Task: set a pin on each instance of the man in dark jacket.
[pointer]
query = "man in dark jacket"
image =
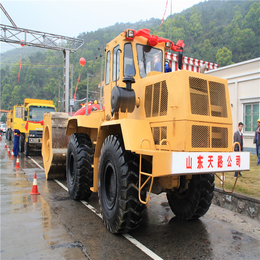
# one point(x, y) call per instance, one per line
point(238, 137)
point(257, 141)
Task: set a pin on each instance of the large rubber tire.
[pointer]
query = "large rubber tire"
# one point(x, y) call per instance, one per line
point(26, 148)
point(79, 166)
point(195, 202)
point(21, 143)
point(118, 187)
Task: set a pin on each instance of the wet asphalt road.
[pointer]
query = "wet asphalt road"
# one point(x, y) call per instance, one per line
point(52, 226)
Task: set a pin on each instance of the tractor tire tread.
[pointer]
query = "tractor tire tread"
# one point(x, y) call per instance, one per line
point(130, 208)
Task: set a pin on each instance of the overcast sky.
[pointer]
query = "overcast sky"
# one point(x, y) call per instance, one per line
point(70, 18)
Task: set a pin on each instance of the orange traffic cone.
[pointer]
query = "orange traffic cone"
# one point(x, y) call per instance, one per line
point(12, 154)
point(17, 162)
point(5, 145)
point(8, 150)
point(34, 187)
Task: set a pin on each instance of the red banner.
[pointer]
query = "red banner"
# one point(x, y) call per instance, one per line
point(164, 13)
point(20, 67)
point(76, 87)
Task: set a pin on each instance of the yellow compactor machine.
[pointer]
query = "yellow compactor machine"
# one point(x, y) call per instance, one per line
point(160, 132)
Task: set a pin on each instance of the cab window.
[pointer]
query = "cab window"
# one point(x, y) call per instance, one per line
point(129, 67)
point(149, 59)
point(19, 112)
point(108, 68)
point(116, 63)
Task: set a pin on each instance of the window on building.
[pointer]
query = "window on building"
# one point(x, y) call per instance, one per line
point(251, 114)
point(108, 68)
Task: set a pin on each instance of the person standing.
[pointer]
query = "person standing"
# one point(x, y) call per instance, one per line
point(238, 137)
point(16, 142)
point(167, 67)
point(257, 141)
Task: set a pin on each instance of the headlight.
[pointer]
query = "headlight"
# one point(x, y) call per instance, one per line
point(129, 34)
point(168, 44)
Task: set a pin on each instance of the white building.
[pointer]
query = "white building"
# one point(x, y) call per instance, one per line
point(244, 91)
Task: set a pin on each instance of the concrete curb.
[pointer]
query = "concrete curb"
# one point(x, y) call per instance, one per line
point(243, 204)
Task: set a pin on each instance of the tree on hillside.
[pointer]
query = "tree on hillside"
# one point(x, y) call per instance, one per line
point(252, 19)
point(6, 97)
point(224, 57)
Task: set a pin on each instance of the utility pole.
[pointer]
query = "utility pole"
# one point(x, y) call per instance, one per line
point(171, 22)
point(87, 94)
point(59, 95)
point(71, 89)
point(66, 78)
point(101, 69)
point(101, 56)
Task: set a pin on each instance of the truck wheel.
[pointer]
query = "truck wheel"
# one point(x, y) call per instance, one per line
point(21, 143)
point(118, 187)
point(79, 166)
point(26, 149)
point(194, 202)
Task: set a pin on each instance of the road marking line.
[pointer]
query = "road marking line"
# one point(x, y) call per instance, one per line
point(61, 184)
point(35, 162)
point(126, 236)
point(142, 247)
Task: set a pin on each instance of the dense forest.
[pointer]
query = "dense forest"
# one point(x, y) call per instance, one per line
point(222, 32)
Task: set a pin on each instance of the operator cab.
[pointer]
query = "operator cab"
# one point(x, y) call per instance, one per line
point(130, 57)
point(136, 54)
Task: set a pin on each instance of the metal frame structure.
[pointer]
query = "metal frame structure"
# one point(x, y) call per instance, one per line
point(11, 34)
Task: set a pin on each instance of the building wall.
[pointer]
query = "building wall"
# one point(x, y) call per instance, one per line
point(244, 91)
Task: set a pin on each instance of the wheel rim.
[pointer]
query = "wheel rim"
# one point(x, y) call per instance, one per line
point(110, 185)
point(71, 169)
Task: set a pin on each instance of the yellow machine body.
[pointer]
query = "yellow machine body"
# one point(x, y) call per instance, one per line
point(178, 117)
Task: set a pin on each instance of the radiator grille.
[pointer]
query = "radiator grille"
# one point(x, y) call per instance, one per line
point(156, 99)
point(218, 99)
point(201, 137)
point(159, 133)
point(199, 96)
point(203, 92)
point(219, 137)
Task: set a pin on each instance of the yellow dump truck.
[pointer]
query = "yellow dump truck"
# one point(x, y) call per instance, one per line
point(9, 124)
point(31, 125)
point(160, 132)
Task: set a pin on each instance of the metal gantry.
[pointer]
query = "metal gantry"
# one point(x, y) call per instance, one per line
point(22, 36)
point(11, 34)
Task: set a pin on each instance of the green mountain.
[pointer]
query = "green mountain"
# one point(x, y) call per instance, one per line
point(222, 32)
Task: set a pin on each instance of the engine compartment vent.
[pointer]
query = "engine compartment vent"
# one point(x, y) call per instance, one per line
point(207, 98)
point(156, 99)
point(159, 133)
point(201, 137)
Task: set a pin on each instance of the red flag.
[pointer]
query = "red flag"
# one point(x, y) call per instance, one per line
point(76, 87)
point(20, 67)
point(164, 13)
